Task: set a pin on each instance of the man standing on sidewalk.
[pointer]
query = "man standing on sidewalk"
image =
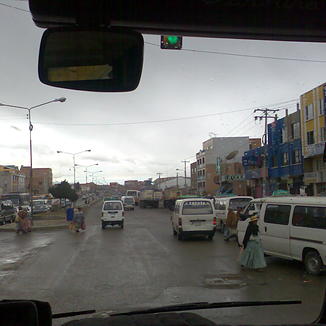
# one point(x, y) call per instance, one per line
point(70, 217)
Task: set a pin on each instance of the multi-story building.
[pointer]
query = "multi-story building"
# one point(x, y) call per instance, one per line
point(216, 152)
point(11, 180)
point(193, 177)
point(132, 184)
point(42, 179)
point(173, 182)
point(279, 164)
point(285, 161)
point(313, 109)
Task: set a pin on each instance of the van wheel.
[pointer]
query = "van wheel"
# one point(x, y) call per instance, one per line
point(210, 237)
point(180, 236)
point(174, 231)
point(121, 225)
point(103, 226)
point(312, 262)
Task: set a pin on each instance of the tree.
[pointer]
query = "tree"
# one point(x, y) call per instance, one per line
point(63, 190)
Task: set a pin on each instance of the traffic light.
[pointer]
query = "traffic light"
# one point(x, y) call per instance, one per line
point(171, 42)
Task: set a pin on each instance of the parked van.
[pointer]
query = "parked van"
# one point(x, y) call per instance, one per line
point(293, 228)
point(194, 216)
point(112, 213)
point(128, 202)
point(222, 204)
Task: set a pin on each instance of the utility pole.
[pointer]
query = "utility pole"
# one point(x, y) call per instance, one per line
point(159, 179)
point(266, 115)
point(185, 163)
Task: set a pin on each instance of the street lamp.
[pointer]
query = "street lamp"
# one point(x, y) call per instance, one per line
point(86, 167)
point(74, 161)
point(30, 127)
point(177, 177)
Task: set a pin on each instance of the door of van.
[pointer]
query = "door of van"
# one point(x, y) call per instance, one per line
point(197, 215)
point(274, 229)
point(175, 216)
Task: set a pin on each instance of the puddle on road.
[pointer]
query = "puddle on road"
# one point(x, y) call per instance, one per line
point(225, 281)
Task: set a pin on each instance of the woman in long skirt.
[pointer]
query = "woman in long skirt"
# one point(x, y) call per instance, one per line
point(253, 254)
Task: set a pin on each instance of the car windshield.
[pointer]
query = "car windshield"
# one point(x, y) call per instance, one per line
point(211, 123)
point(112, 206)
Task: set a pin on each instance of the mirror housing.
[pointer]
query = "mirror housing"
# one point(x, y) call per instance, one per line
point(100, 60)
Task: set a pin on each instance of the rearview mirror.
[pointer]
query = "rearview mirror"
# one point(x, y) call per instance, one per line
point(101, 60)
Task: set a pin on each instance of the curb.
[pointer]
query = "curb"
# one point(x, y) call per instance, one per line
point(40, 228)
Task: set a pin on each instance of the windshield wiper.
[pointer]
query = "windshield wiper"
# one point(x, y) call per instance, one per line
point(207, 305)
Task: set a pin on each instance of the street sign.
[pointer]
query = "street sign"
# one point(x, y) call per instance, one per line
point(236, 177)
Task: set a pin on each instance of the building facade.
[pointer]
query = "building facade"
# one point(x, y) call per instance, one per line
point(173, 182)
point(313, 108)
point(285, 161)
point(216, 152)
point(42, 179)
point(279, 164)
point(193, 176)
point(11, 179)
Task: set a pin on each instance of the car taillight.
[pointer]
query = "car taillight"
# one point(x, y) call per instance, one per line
point(214, 220)
point(180, 221)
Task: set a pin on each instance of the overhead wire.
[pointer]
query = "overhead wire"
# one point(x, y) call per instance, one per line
point(150, 121)
point(13, 7)
point(245, 55)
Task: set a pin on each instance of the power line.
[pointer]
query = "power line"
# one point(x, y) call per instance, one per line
point(153, 121)
point(13, 7)
point(246, 55)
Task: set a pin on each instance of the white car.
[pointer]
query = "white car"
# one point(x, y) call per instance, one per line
point(112, 213)
point(194, 216)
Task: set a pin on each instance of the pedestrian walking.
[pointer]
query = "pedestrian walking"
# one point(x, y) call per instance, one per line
point(70, 217)
point(253, 254)
point(79, 220)
point(23, 224)
point(229, 220)
point(232, 224)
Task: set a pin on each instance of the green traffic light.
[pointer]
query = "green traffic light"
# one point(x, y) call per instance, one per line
point(173, 39)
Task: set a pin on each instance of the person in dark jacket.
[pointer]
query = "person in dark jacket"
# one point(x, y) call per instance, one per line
point(253, 255)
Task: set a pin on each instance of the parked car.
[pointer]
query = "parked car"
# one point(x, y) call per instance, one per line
point(40, 206)
point(7, 212)
point(292, 228)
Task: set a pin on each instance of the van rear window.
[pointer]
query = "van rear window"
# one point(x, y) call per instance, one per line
point(309, 217)
point(197, 208)
point(114, 206)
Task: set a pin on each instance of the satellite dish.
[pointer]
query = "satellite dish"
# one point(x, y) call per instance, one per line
point(231, 155)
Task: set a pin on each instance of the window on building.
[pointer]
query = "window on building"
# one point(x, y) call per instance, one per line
point(285, 158)
point(296, 156)
point(203, 160)
point(310, 137)
point(295, 130)
point(277, 214)
point(203, 172)
point(309, 217)
point(309, 112)
point(321, 106)
point(284, 135)
point(274, 161)
point(322, 134)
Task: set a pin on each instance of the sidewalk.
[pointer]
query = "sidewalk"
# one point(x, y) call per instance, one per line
point(44, 223)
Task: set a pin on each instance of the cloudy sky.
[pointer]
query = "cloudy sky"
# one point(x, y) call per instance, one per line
point(174, 84)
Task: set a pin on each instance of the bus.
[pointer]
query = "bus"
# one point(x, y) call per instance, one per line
point(135, 194)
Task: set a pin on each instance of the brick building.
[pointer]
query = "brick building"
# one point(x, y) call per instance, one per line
point(42, 179)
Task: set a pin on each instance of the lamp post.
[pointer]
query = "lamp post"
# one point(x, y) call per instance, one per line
point(74, 160)
point(30, 127)
point(177, 177)
point(86, 167)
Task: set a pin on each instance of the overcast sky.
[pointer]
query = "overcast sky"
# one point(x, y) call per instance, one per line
point(174, 84)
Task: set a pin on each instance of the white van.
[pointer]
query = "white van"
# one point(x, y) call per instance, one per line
point(128, 202)
point(194, 216)
point(113, 213)
point(222, 204)
point(293, 228)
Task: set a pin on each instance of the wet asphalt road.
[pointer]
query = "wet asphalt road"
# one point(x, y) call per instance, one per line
point(144, 265)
